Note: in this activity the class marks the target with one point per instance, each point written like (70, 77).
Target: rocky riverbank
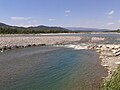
(109, 55)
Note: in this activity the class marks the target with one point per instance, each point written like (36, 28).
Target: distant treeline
(13, 30)
(118, 31)
(115, 31)
(7, 29)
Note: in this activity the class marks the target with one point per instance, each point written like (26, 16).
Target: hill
(7, 29)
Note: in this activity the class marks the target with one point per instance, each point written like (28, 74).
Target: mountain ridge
(8, 29)
(55, 28)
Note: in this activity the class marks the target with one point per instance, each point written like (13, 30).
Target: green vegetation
(114, 82)
(28, 31)
(118, 30)
(21, 30)
(7, 29)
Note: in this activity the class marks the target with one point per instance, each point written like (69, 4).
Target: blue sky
(66, 13)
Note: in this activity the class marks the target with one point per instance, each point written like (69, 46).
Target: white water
(77, 47)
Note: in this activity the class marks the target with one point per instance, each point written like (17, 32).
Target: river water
(50, 68)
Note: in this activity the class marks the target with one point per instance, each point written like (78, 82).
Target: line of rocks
(6, 48)
(113, 49)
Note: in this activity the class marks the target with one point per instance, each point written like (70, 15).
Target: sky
(104, 14)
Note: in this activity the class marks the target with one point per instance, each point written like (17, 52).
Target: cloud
(66, 15)
(20, 18)
(102, 25)
(32, 21)
(110, 17)
(24, 21)
(111, 12)
(109, 24)
(118, 21)
(26, 25)
(68, 11)
(51, 19)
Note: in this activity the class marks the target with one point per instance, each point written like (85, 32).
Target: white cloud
(110, 17)
(111, 12)
(24, 21)
(20, 18)
(109, 24)
(66, 15)
(32, 21)
(102, 25)
(118, 21)
(29, 22)
(68, 11)
(26, 25)
(51, 19)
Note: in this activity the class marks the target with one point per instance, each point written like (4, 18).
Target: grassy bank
(114, 82)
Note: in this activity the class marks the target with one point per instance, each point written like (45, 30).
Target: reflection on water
(50, 68)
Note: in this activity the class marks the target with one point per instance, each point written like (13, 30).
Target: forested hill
(7, 29)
